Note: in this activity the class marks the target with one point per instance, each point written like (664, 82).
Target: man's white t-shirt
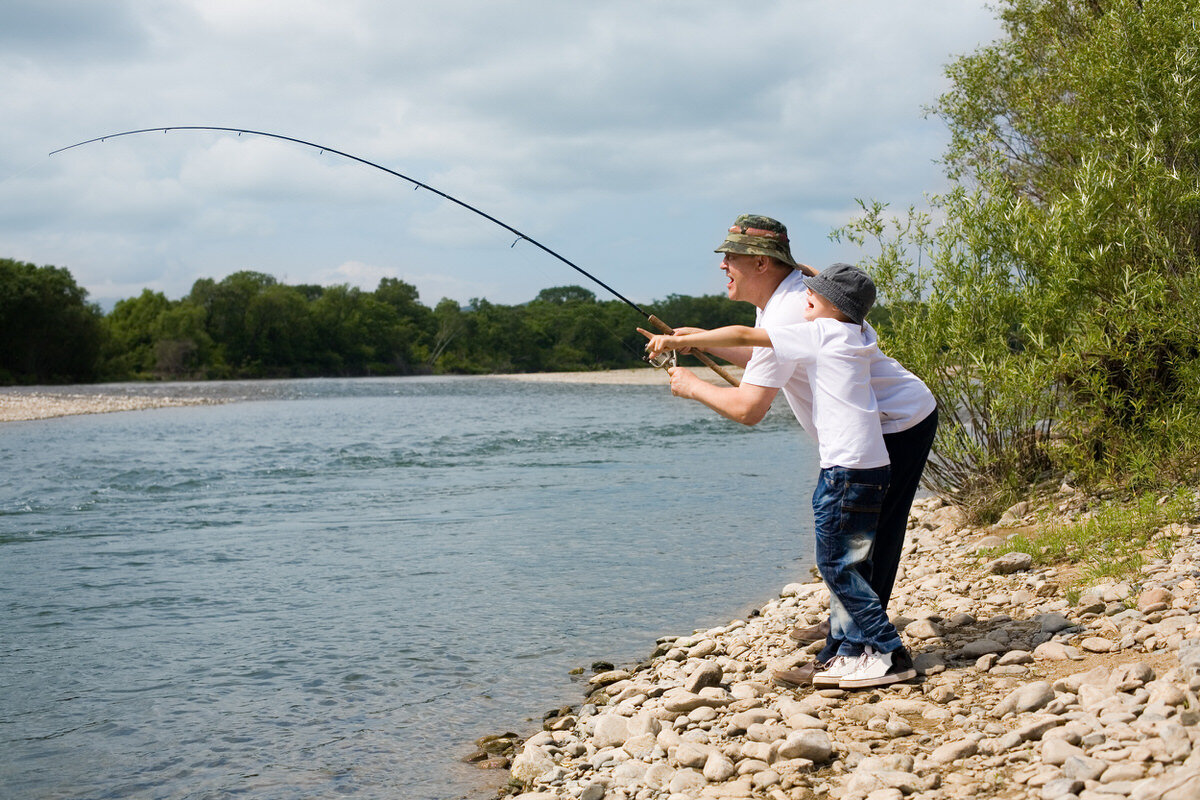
(837, 357)
(903, 399)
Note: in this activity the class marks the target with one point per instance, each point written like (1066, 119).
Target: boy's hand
(659, 343)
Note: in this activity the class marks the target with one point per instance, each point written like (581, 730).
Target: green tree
(566, 294)
(1055, 311)
(183, 348)
(226, 306)
(279, 331)
(414, 328)
(133, 331)
(451, 328)
(49, 333)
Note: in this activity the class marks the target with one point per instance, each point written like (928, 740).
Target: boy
(855, 472)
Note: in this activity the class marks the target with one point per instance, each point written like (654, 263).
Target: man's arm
(746, 404)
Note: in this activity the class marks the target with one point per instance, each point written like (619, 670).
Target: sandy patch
(44, 405)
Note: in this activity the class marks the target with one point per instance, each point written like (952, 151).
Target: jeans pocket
(864, 498)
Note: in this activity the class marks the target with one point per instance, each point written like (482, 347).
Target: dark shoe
(880, 669)
(797, 676)
(813, 633)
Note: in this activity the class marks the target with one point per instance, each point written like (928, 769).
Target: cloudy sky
(624, 134)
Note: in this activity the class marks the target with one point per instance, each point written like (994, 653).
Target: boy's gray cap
(849, 288)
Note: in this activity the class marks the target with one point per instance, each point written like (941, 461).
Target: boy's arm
(738, 356)
(729, 336)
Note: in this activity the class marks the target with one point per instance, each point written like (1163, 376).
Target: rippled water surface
(335, 588)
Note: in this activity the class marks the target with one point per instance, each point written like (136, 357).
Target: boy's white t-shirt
(903, 399)
(837, 358)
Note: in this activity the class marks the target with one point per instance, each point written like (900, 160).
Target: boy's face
(817, 307)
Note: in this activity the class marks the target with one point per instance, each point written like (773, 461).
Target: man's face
(740, 271)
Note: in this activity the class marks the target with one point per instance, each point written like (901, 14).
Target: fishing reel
(664, 360)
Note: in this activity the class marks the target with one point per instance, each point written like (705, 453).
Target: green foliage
(1054, 311)
(49, 333)
(1113, 540)
(248, 325)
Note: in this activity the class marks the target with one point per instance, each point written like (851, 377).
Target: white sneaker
(837, 668)
(879, 669)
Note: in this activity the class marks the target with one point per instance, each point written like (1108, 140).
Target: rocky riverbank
(1024, 692)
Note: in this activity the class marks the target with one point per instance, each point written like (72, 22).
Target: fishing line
(20, 172)
(551, 281)
(655, 321)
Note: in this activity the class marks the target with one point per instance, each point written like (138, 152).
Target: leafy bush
(1054, 311)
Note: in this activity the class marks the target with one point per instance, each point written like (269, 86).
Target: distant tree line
(249, 325)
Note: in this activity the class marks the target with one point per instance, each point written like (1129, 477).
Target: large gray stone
(708, 673)
(611, 731)
(658, 775)
(1131, 677)
(1053, 622)
(683, 701)
(719, 767)
(1060, 788)
(741, 721)
(1010, 563)
(1026, 698)
(1183, 784)
(811, 744)
(1056, 651)
(1083, 768)
(530, 764)
(630, 773)
(693, 754)
(953, 751)
(1056, 751)
(980, 647)
(922, 629)
(687, 782)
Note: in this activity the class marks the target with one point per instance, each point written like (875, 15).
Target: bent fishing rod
(653, 320)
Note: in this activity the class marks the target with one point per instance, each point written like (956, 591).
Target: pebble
(1095, 700)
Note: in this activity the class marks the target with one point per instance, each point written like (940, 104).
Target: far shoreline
(30, 403)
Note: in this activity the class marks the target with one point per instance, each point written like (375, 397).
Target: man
(760, 270)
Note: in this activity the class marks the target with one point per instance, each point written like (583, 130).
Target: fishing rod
(653, 320)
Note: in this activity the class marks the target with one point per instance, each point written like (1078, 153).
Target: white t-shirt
(837, 357)
(903, 399)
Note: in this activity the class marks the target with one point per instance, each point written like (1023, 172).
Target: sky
(626, 135)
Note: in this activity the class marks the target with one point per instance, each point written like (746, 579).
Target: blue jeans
(908, 451)
(846, 506)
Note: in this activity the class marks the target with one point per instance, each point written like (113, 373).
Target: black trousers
(908, 451)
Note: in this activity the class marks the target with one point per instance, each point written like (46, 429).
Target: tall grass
(1115, 541)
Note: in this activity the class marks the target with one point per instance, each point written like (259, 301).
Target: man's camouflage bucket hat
(756, 235)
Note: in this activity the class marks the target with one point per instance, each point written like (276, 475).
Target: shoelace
(858, 662)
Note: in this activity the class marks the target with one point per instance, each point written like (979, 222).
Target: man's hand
(684, 382)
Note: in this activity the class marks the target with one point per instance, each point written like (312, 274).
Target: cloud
(70, 30)
(621, 133)
(356, 273)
